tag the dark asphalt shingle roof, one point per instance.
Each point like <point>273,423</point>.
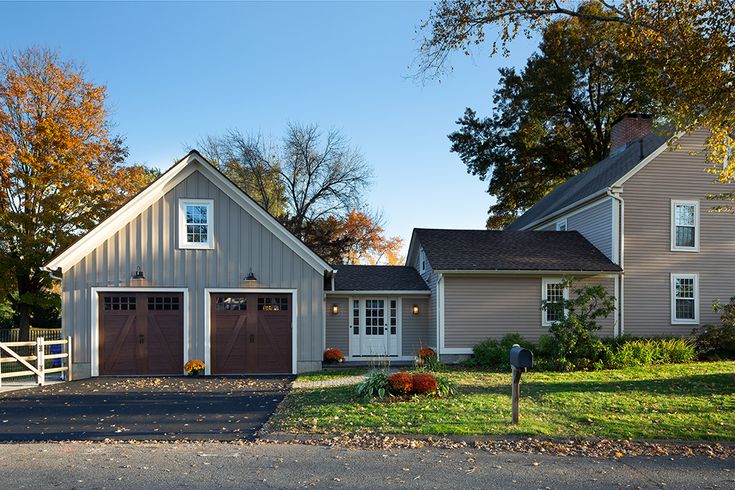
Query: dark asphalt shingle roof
<point>598,177</point>
<point>489,250</point>
<point>378,278</point>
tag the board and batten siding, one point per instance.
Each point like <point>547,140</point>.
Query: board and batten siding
<point>151,242</point>
<point>414,328</point>
<point>480,307</point>
<point>674,174</point>
<point>594,222</point>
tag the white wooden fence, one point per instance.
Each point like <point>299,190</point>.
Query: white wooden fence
<point>18,359</point>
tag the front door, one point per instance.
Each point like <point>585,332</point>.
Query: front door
<point>374,327</point>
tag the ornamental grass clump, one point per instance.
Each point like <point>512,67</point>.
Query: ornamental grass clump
<point>194,367</point>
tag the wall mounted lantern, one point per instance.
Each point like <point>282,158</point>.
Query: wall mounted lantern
<point>138,274</point>
<point>251,277</point>
<point>415,309</point>
<point>335,309</point>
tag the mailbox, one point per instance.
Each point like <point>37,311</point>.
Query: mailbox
<point>521,358</point>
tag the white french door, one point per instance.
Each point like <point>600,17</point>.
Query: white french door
<point>374,327</point>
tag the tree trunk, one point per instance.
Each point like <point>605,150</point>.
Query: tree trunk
<point>24,322</point>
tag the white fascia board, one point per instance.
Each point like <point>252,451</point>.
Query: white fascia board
<point>158,189</point>
<point>410,255</point>
<point>378,292</point>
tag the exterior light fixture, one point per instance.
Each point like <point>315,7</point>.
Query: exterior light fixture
<point>138,274</point>
<point>335,309</point>
<point>251,277</point>
<point>415,309</point>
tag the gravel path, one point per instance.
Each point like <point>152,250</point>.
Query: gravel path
<point>327,383</point>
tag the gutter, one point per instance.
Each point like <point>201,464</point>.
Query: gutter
<point>52,273</point>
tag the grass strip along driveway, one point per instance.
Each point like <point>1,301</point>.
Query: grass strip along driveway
<point>684,401</point>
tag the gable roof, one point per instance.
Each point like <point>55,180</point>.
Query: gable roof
<point>182,169</point>
<point>378,278</point>
<point>491,250</point>
<point>593,181</point>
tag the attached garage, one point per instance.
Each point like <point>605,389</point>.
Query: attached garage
<point>192,268</point>
<point>140,333</point>
<point>251,333</point>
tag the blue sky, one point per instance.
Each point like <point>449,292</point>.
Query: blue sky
<point>176,72</point>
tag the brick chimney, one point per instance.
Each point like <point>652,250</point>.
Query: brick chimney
<point>629,128</point>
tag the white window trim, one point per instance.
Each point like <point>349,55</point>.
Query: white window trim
<point>674,247</point>
<point>422,260</point>
<point>684,321</point>
<point>560,223</point>
<point>544,282</point>
<point>209,244</point>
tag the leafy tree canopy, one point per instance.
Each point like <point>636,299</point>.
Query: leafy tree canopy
<point>60,167</point>
<point>690,45</point>
<point>553,119</point>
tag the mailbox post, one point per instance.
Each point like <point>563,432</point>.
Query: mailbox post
<point>521,360</point>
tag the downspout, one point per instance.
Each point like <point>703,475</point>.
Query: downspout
<point>620,245</point>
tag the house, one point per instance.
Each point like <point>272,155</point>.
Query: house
<point>645,208</point>
<point>193,268</point>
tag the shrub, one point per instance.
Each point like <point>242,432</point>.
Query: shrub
<point>194,367</point>
<point>495,354</point>
<point>718,342</point>
<point>444,386</point>
<point>333,355</point>
<point>574,342</point>
<point>424,383</point>
<point>376,385</point>
<point>401,383</point>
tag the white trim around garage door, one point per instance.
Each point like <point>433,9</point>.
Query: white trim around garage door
<point>95,333</point>
<point>208,320</point>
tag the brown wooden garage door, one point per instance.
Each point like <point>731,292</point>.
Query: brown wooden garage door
<point>251,333</point>
<point>141,333</point>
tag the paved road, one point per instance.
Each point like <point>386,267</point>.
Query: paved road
<point>142,408</point>
<point>206,465</point>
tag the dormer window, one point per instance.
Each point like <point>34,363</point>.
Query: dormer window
<point>196,223</point>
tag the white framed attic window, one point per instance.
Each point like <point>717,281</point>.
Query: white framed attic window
<point>561,225</point>
<point>196,223</point>
<point>422,261</point>
<point>684,226</point>
<point>552,291</point>
<point>685,299</point>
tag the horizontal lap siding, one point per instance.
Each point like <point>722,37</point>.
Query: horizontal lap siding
<point>150,241</point>
<point>482,307</point>
<point>595,224</point>
<point>416,328</point>
<point>649,261</point>
<point>337,333</point>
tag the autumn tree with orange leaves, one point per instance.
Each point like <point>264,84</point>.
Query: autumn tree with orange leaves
<point>60,167</point>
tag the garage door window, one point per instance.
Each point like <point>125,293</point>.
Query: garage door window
<point>113,303</point>
<point>163,303</point>
<point>232,304</point>
<point>272,304</point>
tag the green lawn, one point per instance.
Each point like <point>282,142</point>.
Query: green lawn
<point>685,401</point>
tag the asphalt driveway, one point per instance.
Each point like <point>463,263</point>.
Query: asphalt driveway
<point>145,408</point>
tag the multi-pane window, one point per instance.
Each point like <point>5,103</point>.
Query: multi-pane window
<point>554,295</point>
<point>272,304</point>
<point>195,222</point>
<point>684,221</point>
<point>232,303</point>
<point>113,303</point>
<point>561,225</point>
<point>393,316</point>
<point>374,317</point>
<point>163,303</point>
<point>356,316</point>
<point>685,298</point>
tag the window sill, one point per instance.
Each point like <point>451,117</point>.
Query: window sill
<point>685,322</point>
<point>685,249</point>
